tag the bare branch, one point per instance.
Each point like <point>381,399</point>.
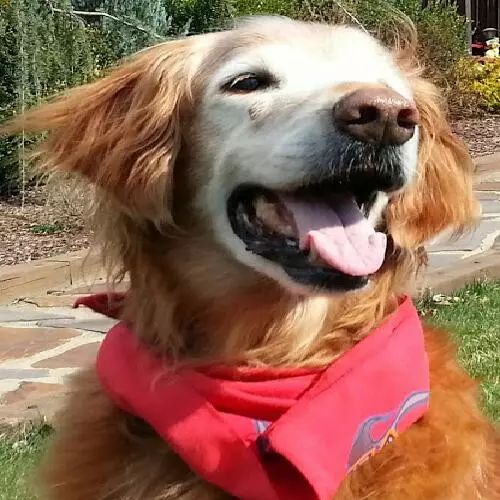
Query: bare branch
<point>354,19</point>
<point>82,13</point>
<point>351,16</point>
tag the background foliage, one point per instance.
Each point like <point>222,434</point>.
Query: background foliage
<point>480,83</point>
<point>49,45</point>
<point>40,54</point>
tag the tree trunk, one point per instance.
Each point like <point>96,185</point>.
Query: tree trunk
<point>22,100</point>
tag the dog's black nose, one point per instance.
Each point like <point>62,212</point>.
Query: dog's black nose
<point>377,115</point>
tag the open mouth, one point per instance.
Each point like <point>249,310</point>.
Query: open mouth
<point>319,234</point>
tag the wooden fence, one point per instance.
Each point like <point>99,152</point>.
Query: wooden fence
<point>485,13</point>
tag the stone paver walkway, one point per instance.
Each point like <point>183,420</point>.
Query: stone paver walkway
<point>43,340</point>
<point>475,254</point>
<point>39,348</point>
<point>447,252</point>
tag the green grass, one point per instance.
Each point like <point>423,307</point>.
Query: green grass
<point>19,456</point>
<point>472,315</point>
<point>47,228</point>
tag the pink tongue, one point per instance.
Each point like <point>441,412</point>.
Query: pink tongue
<point>339,234</point>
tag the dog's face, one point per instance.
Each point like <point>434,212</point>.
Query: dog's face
<point>282,149</point>
<point>304,138</point>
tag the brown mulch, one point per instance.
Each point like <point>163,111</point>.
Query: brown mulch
<point>46,226</point>
<point>52,220</point>
<point>481,134</point>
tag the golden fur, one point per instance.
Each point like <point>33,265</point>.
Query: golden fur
<point>124,134</point>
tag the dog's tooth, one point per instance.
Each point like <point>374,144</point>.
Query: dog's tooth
<point>243,216</point>
<point>268,213</point>
<point>288,230</point>
<point>313,257</point>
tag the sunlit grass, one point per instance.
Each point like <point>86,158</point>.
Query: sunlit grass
<point>473,317</point>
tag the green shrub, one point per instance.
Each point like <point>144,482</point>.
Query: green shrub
<point>280,7</point>
<point>40,54</point>
<point>480,83</point>
<point>44,51</point>
<point>443,43</point>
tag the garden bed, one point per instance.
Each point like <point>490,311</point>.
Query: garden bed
<point>482,134</point>
<point>45,226</point>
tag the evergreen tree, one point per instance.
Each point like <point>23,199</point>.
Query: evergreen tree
<point>49,45</point>
<point>41,53</point>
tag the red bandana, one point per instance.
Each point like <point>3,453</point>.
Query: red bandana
<point>271,434</point>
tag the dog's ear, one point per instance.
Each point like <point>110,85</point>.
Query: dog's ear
<point>442,195</point>
<point>123,132</point>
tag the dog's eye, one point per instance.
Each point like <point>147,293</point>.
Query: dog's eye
<point>248,83</point>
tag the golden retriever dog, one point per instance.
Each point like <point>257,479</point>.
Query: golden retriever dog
<point>268,190</point>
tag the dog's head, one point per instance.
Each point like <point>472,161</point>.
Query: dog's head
<point>298,152</point>
<point>306,141</point>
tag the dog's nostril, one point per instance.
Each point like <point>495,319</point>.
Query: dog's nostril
<point>367,114</point>
<point>408,118</point>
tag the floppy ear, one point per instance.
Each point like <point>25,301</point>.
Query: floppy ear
<point>442,195</point>
<point>123,132</point>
